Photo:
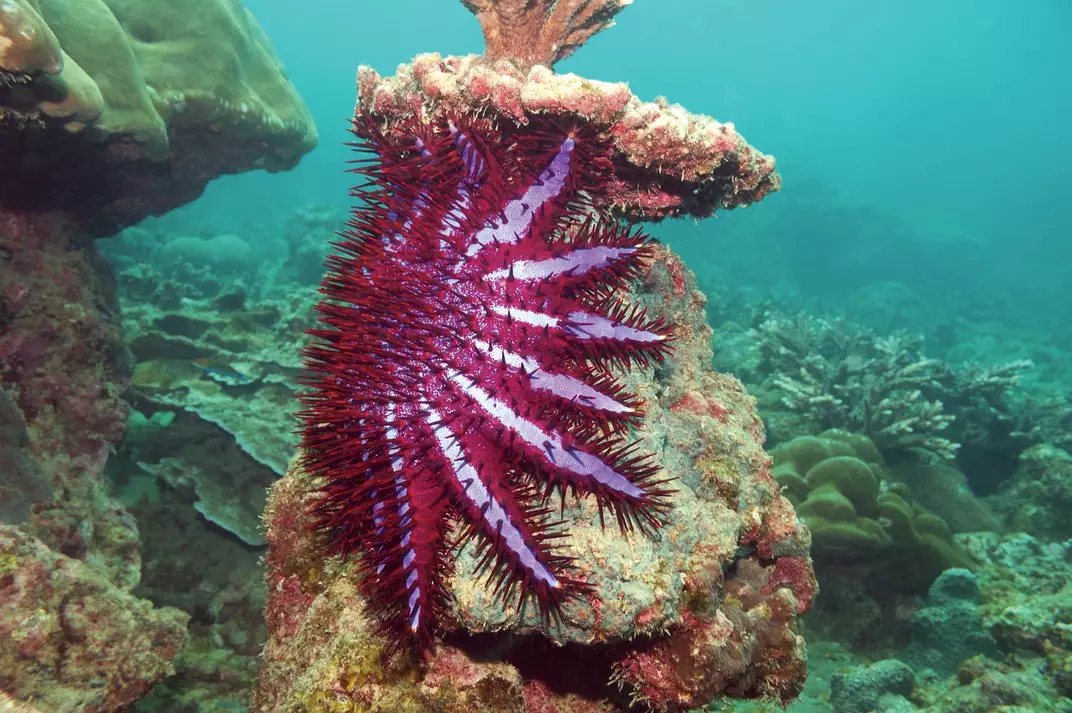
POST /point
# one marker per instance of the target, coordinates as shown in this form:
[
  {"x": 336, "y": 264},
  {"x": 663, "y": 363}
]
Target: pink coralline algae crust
[
  {"x": 72, "y": 641},
  {"x": 668, "y": 162},
  {"x": 705, "y": 607}
]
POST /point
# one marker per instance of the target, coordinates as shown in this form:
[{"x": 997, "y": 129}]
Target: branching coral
[
  {"x": 845, "y": 376},
  {"x": 1047, "y": 421},
  {"x": 541, "y": 31}
]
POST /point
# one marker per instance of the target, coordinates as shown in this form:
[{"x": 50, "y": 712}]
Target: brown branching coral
[
  {"x": 541, "y": 31},
  {"x": 845, "y": 376}
]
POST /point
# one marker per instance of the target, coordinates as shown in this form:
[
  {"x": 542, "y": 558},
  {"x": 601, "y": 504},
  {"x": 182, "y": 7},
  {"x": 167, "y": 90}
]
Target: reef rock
[
  {"x": 668, "y": 162},
  {"x": 704, "y": 606},
  {"x": 73, "y": 641},
  {"x": 882, "y": 686}
]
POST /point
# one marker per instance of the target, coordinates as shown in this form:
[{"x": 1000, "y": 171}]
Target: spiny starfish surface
[{"x": 460, "y": 369}]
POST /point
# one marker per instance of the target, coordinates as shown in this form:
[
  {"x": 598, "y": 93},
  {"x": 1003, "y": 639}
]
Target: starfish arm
[
  {"x": 460, "y": 365},
  {"x": 564, "y": 461},
  {"x": 514, "y": 537}
]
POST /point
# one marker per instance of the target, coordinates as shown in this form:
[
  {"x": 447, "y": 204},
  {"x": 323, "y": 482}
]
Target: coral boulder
[
  {"x": 704, "y": 606},
  {"x": 111, "y": 110}
]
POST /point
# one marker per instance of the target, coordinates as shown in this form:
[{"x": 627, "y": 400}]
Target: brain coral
[
  {"x": 855, "y": 511},
  {"x": 166, "y": 95}
]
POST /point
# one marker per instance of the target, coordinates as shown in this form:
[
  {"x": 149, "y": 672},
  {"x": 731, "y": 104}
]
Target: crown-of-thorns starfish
[{"x": 460, "y": 370}]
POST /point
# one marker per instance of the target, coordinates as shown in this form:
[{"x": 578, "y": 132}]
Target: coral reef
[
  {"x": 882, "y": 686},
  {"x": 109, "y": 112},
  {"x": 703, "y": 607},
  {"x": 203, "y": 571},
  {"x": 839, "y": 375},
  {"x": 1026, "y": 599},
  {"x": 949, "y": 629},
  {"x": 667, "y": 162},
  {"x": 1047, "y": 420},
  {"x": 158, "y": 119},
  {"x": 856, "y": 512},
  {"x": 72, "y": 640},
  {"x": 22, "y": 482},
  {"x": 215, "y": 390},
  {"x": 1024, "y": 603},
  {"x": 306, "y": 234},
  {"x": 63, "y": 366},
  {"x": 994, "y": 640},
  {"x": 705, "y": 604},
  {"x": 1038, "y": 497},
  {"x": 875, "y": 547},
  {"x": 943, "y": 489}
]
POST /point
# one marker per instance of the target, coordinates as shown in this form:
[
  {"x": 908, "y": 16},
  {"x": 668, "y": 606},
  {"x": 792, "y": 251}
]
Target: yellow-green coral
[
  {"x": 131, "y": 68},
  {"x": 8, "y": 564},
  {"x": 840, "y": 488}
]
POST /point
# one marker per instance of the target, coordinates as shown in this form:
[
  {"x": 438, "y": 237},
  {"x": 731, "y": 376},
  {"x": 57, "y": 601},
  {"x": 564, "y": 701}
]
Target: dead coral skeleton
[{"x": 541, "y": 31}]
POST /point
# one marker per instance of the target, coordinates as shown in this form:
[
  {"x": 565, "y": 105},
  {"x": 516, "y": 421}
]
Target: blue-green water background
[{"x": 920, "y": 142}]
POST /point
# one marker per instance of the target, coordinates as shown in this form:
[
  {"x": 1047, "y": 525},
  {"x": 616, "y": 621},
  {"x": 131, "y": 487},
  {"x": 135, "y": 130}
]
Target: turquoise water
[{"x": 919, "y": 142}]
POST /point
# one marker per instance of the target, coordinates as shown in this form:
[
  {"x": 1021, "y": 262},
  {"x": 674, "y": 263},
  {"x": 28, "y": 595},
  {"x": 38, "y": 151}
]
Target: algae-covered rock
[
  {"x": 70, "y": 640},
  {"x": 881, "y": 686},
  {"x": 950, "y": 628},
  {"x": 702, "y": 607},
  {"x": 1038, "y": 498},
  {"x": 21, "y": 480}
]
